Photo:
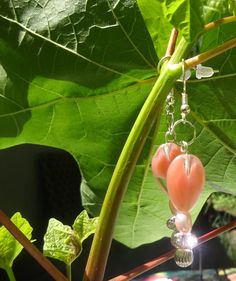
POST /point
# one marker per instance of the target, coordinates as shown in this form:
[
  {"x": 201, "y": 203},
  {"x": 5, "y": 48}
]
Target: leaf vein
[
  {"x": 128, "y": 37},
  {"x": 68, "y": 49}
]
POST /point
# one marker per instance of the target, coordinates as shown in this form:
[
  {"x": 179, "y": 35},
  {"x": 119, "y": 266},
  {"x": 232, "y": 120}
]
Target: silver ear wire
[{"x": 185, "y": 110}]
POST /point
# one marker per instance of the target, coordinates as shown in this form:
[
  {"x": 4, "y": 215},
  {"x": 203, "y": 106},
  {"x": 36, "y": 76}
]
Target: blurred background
[{"x": 43, "y": 182}]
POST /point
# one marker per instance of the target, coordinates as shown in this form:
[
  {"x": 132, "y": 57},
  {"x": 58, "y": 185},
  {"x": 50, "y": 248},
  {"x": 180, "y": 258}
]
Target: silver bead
[
  {"x": 170, "y": 99},
  {"x": 185, "y": 109},
  {"x": 176, "y": 239},
  {"x": 182, "y": 240},
  {"x": 184, "y": 257},
  {"x": 171, "y": 223}
]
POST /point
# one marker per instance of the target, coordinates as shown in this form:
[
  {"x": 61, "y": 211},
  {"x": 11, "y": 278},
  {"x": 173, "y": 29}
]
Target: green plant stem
[
  {"x": 10, "y": 273},
  {"x": 68, "y": 271},
  {"x": 125, "y": 166}
]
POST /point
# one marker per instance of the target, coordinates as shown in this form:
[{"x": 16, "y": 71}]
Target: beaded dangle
[{"x": 184, "y": 175}]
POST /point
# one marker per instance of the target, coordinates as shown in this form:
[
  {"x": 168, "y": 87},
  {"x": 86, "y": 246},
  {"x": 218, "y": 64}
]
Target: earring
[
  {"x": 169, "y": 150},
  {"x": 185, "y": 178}
]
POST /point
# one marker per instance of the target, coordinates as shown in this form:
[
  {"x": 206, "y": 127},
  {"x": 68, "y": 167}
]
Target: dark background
[{"x": 43, "y": 182}]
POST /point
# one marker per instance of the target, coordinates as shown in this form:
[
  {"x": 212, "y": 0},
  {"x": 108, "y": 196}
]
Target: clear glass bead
[
  {"x": 171, "y": 223},
  {"x": 184, "y": 257},
  {"x": 182, "y": 240}
]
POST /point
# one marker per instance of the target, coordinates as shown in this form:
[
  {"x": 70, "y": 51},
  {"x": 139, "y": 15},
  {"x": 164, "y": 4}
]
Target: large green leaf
[
  {"x": 75, "y": 74},
  {"x": 158, "y": 27},
  {"x": 188, "y": 16},
  {"x": 185, "y": 15}
]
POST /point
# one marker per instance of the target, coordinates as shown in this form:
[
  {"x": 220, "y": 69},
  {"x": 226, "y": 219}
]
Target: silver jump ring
[
  {"x": 184, "y": 122},
  {"x": 161, "y": 61},
  {"x": 170, "y": 136}
]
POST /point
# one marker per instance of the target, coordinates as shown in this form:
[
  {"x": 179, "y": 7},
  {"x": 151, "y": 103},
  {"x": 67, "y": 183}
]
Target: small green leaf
[
  {"x": 84, "y": 226},
  {"x": 61, "y": 242},
  {"x": 10, "y": 248}
]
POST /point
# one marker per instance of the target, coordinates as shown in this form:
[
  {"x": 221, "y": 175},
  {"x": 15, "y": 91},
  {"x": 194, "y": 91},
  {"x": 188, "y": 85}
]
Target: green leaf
[
  {"x": 64, "y": 243},
  {"x": 213, "y": 10},
  {"x": 61, "y": 242},
  {"x": 76, "y": 78},
  {"x": 84, "y": 226},
  {"x": 188, "y": 16},
  {"x": 158, "y": 27},
  {"x": 10, "y": 248},
  {"x": 232, "y": 6}
]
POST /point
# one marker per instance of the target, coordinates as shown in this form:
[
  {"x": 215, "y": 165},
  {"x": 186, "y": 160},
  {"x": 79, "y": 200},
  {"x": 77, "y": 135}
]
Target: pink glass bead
[
  {"x": 163, "y": 157},
  {"x": 183, "y": 257},
  {"x": 185, "y": 180},
  {"x": 183, "y": 222}
]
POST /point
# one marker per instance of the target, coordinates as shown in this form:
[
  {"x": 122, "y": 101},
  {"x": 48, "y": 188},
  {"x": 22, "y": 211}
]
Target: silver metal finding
[
  {"x": 170, "y": 102},
  {"x": 185, "y": 110},
  {"x": 161, "y": 61},
  {"x": 184, "y": 76},
  {"x": 183, "y": 143}
]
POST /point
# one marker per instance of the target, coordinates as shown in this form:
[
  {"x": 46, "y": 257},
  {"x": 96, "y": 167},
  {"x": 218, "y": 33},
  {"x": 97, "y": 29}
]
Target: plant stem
[
  {"x": 68, "y": 271},
  {"x": 169, "y": 255},
  {"x": 190, "y": 63},
  {"x": 10, "y": 273},
  {"x": 31, "y": 249},
  {"x": 207, "y": 27},
  {"x": 172, "y": 41},
  {"x": 126, "y": 163},
  {"x": 216, "y": 23}
]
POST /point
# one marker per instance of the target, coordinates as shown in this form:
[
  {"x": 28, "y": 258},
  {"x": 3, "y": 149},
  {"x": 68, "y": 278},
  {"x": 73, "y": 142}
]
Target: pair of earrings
[{"x": 185, "y": 178}]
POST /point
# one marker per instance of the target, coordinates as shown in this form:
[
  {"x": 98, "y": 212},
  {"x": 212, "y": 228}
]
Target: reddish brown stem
[
  {"x": 172, "y": 41},
  {"x": 216, "y": 23},
  {"x": 31, "y": 249},
  {"x": 169, "y": 255},
  {"x": 192, "y": 62}
]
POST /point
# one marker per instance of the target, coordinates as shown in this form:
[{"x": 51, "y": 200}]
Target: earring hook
[{"x": 183, "y": 75}]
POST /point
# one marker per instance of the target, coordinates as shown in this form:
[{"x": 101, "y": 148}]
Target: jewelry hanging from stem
[{"x": 184, "y": 175}]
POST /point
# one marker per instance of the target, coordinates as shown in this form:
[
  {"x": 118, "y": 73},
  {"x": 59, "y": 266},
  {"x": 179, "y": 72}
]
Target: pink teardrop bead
[
  {"x": 163, "y": 157},
  {"x": 185, "y": 181}
]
